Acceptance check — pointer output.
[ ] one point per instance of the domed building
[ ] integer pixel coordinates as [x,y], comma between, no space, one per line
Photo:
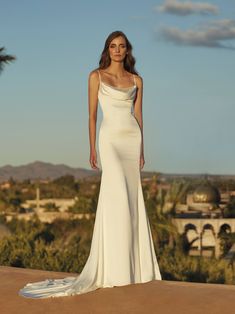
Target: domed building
[201,220]
[205,198]
[206,194]
[203,201]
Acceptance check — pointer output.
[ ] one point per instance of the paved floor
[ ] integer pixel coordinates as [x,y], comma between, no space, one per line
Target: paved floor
[163,297]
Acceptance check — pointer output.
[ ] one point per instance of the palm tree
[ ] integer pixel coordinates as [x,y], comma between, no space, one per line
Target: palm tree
[165,232]
[165,205]
[174,195]
[4,58]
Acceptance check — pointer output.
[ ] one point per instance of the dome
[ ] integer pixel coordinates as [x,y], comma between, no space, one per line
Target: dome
[206,193]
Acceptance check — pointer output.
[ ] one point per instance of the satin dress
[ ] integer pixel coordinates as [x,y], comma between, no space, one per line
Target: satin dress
[122,250]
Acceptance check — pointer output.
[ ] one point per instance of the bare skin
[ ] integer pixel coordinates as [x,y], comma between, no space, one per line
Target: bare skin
[115,75]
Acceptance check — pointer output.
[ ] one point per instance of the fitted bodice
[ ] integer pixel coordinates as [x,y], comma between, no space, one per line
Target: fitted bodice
[116,100]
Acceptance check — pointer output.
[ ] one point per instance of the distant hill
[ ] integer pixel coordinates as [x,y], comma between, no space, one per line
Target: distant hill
[43,170]
[46,170]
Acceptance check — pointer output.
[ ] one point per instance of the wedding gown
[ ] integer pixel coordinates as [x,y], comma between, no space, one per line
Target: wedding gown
[122,250]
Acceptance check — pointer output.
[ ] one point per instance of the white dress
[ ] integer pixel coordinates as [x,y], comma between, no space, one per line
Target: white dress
[122,250]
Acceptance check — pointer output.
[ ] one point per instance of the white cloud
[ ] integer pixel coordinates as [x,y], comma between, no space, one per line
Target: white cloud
[187,7]
[209,35]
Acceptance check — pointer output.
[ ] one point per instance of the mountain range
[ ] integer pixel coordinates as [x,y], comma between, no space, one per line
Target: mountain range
[42,170]
[48,171]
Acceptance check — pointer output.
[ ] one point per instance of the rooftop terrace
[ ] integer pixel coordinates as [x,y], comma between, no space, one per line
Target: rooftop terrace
[163,297]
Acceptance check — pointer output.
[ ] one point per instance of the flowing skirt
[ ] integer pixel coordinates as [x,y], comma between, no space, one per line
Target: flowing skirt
[122,250]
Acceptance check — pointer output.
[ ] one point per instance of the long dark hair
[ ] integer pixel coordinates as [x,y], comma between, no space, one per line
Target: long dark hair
[129,61]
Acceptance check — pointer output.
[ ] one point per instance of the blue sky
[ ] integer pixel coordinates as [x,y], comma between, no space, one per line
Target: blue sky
[185,54]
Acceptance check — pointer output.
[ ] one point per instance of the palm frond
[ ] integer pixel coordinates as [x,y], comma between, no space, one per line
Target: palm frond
[5,58]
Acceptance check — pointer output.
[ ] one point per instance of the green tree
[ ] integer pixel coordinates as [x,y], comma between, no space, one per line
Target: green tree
[229,210]
[83,205]
[5,58]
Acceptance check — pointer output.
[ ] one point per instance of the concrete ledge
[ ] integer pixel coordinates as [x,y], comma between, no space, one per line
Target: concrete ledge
[163,297]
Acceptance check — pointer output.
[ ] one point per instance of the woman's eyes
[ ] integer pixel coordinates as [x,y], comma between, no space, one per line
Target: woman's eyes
[122,46]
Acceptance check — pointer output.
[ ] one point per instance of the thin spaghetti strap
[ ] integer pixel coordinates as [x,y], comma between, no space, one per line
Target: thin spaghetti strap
[134,79]
[99,75]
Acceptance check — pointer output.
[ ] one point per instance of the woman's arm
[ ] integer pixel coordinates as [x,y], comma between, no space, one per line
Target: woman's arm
[138,110]
[93,86]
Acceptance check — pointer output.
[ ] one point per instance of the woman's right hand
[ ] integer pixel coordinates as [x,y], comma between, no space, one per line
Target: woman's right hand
[93,160]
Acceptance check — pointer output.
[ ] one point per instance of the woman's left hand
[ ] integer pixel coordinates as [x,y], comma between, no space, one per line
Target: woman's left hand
[142,161]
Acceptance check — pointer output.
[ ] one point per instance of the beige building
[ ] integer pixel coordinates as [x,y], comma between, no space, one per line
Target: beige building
[201,220]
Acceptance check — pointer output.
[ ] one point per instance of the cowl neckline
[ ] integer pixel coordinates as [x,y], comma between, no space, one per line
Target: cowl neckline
[119,88]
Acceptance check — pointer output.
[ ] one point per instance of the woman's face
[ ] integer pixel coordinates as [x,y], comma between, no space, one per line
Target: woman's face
[117,49]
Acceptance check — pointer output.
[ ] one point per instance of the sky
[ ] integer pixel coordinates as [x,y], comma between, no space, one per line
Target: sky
[185,54]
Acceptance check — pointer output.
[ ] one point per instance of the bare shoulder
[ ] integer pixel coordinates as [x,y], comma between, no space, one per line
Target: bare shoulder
[94,76]
[139,80]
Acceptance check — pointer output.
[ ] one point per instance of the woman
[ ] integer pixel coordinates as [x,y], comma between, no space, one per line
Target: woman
[122,250]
